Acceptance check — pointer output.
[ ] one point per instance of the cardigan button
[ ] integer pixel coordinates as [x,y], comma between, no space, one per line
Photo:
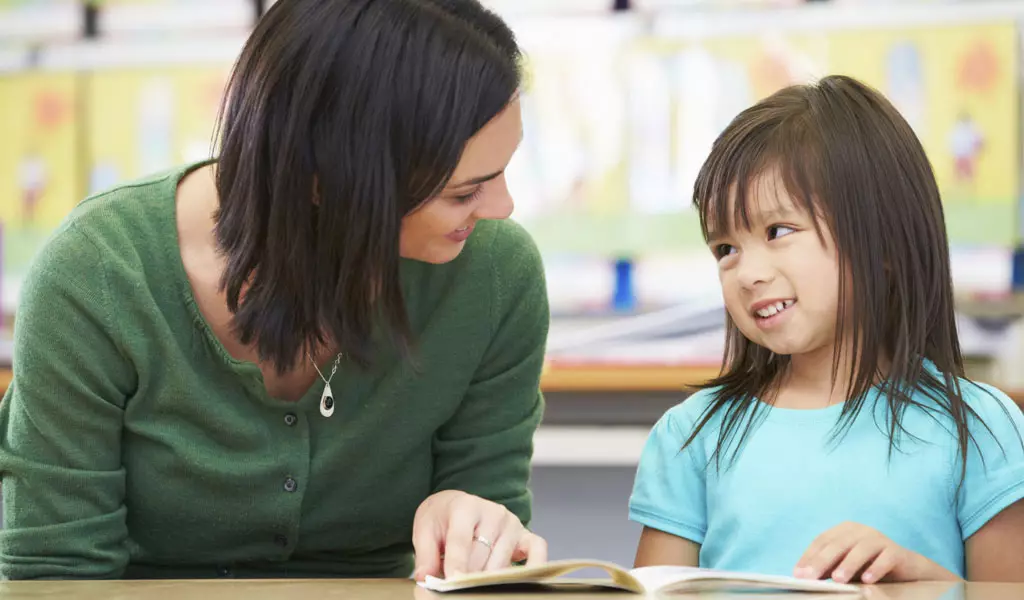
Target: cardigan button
[290,485]
[290,419]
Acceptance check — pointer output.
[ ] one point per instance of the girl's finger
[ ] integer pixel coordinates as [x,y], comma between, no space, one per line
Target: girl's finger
[823,561]
[883,564]
[860,556]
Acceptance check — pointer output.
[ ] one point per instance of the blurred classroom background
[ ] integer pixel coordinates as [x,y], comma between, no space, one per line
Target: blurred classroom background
[623,101]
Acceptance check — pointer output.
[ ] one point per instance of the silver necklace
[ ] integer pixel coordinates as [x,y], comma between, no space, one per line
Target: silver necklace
[327,398]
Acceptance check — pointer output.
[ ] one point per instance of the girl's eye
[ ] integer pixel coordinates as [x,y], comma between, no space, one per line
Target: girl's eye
[468,197]
[777,231]
[723,250]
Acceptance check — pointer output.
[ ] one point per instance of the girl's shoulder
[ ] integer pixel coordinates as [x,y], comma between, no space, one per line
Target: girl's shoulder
[682,417]
[992,406]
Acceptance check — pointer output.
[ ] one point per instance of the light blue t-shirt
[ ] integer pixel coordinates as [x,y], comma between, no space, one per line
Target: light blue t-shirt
[792,481]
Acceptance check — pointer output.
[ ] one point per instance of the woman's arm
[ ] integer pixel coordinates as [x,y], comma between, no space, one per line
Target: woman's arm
[60,424]
[486,447]
[482,454]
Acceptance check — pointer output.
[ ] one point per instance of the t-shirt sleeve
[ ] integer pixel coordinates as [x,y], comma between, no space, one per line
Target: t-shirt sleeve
[669,493]
[61,424]
[994,476]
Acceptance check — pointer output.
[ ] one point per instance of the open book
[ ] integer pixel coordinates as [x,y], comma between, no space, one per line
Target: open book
[644,580]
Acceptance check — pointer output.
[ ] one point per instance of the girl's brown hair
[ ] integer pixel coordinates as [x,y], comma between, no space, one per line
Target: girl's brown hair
[846,156]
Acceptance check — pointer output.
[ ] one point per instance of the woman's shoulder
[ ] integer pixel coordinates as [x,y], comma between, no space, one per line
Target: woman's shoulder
[502,243]
[502,256]
[120,222]
[129,212]
[125,228]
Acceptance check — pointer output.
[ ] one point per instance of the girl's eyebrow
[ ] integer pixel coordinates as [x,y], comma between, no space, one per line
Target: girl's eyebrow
[779,213]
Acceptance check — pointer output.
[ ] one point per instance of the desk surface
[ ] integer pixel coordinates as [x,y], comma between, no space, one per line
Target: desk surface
[406,590]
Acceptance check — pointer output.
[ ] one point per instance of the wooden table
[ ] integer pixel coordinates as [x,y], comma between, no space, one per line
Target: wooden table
[406,590]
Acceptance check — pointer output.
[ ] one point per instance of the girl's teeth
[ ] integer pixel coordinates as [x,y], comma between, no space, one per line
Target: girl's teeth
[774,309]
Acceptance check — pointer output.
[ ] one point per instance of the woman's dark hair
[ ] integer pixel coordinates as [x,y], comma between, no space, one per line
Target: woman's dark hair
[846,156]
[341,117]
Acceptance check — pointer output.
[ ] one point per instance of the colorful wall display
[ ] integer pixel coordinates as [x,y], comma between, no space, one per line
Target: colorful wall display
[40,166]
[616,122]
[957,87]
[149,120]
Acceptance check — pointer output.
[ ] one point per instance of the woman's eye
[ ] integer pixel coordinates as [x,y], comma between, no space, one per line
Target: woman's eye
[468,197]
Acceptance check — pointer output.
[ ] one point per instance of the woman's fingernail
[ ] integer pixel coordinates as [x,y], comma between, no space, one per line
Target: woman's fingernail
[839,575]
[868,577]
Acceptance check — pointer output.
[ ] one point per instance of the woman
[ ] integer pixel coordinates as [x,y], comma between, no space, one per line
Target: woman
[318,355]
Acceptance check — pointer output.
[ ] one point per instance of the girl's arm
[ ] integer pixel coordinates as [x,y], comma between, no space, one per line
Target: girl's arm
[659,548]
[996,551]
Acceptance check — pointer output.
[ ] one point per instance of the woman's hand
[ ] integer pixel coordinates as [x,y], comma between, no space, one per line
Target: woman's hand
[455,532]
[852,551]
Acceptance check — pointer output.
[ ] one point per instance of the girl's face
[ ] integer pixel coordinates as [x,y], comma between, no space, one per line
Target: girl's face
[437,231]
[780,280]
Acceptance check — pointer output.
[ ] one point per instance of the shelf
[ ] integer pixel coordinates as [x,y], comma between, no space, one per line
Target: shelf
[612,378]
[571,446]
[624,378]
[45,23]
[187,16]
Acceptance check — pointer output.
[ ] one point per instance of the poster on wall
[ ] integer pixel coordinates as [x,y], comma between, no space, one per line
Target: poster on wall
[683,93]
[956,86]
[148,121]
[39,167]
[569,175]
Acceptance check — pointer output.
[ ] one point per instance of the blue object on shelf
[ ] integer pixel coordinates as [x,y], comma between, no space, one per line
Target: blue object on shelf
[624,298]
[1017,274]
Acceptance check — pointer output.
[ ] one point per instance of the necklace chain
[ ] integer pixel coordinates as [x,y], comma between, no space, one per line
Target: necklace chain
[334,369]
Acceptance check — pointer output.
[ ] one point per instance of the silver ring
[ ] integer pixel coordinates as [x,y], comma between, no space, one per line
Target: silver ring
[482,540]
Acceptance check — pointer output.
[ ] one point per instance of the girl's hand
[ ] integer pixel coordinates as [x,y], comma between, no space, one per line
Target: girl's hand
[852,551]
[455,532]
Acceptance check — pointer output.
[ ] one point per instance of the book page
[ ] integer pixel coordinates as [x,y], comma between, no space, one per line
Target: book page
[664,578]
[549,573]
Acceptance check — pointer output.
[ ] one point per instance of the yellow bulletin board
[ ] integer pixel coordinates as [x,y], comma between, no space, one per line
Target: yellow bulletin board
[38,156]
[956,85]
[140,122]
[40,164]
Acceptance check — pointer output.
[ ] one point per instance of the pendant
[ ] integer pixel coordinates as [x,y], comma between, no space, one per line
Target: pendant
[327,401]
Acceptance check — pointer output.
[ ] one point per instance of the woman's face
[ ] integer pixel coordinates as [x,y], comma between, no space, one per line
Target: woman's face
[437,231]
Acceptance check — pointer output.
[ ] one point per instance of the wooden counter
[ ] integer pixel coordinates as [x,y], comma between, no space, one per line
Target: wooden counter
[624,378]
[582,378]
[406,590]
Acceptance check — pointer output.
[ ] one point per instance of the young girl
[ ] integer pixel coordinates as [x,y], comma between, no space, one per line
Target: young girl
[841,440]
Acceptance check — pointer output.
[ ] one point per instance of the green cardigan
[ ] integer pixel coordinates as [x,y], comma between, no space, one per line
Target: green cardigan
[134,445]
